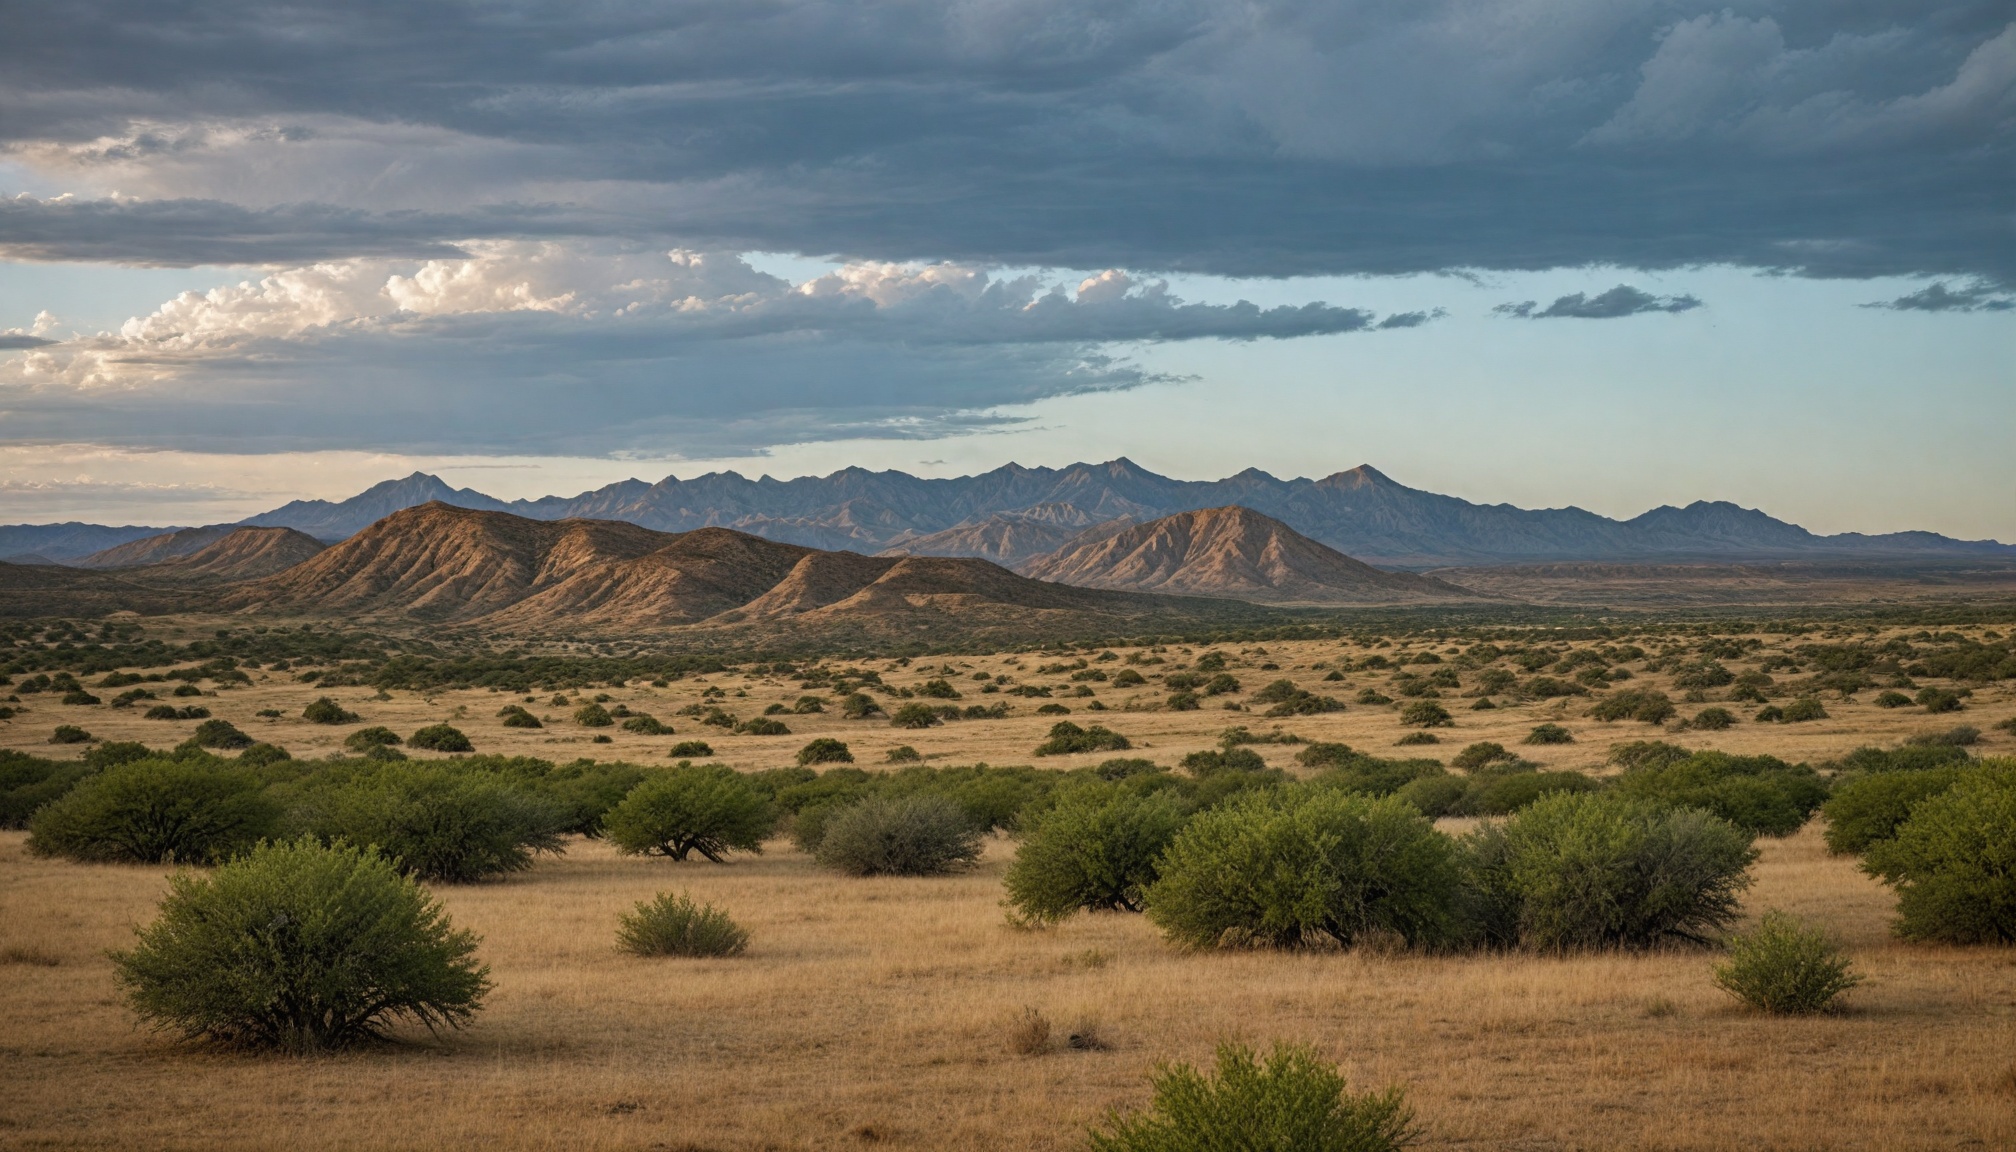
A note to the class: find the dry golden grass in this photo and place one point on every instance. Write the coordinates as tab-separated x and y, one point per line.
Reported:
889	1011
896	1012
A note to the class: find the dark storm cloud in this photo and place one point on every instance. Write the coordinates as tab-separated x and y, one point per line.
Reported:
14	342
1623	300
1939	298
1278	138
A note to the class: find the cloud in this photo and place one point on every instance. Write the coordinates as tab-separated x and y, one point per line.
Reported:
1265	138
591	349
1939	298
14	341
1623	300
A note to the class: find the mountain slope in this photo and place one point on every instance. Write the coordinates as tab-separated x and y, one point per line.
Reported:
156	549
1233	552
443	564
243	554
1006	538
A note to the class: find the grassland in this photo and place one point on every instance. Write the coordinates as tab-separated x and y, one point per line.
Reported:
879	1012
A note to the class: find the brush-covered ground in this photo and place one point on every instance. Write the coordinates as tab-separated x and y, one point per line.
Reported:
882	1012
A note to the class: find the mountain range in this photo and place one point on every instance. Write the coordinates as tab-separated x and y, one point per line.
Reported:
1013	513
501	572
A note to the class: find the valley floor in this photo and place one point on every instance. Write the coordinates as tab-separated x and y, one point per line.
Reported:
877	1013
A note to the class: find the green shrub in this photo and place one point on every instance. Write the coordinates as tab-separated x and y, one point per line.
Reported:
1937	700
326	711
1210	763
219	734
1066	738
1712	719
915	835
915	716
435	822
70	734
1785	968
1373	697
1770	714
904	754
1480	754
440	739
156	811
1426	714
1503	793
1593	870
645	724
170	712
937	690
593	715
1893	699
673	925
1869	809
1642	704
1413	738
1959	736
1305	704
763	726
691	750
261	754
78	696
365	739
1761	794
515	716
301	947
1803	709
708	808
1292	1102
1434	796
1953	862
825	750
1550	734
28	782
859	706
1179	702
1290	866
1096	849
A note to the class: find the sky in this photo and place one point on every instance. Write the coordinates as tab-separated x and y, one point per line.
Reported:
1608	253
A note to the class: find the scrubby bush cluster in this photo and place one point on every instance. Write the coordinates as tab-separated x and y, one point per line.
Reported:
1292	1099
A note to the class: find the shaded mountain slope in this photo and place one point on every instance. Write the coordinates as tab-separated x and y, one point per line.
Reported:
241	554
69	542
156	549
1231	552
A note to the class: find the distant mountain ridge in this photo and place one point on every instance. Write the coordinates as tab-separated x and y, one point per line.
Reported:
1234	552
1012	513
439	563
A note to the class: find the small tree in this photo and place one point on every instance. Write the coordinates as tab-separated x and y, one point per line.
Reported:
436	822
440	738
327	711
156	811
219	734
1096	849
691	750
1294	865
1292	1102
301	947
1066	738
1869	809
1953	862
1549	734
915	716
825	750
707	808
592	715
916	835
70	734
365	739
515	716
1593	870
1785	968
1426	714
673	925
